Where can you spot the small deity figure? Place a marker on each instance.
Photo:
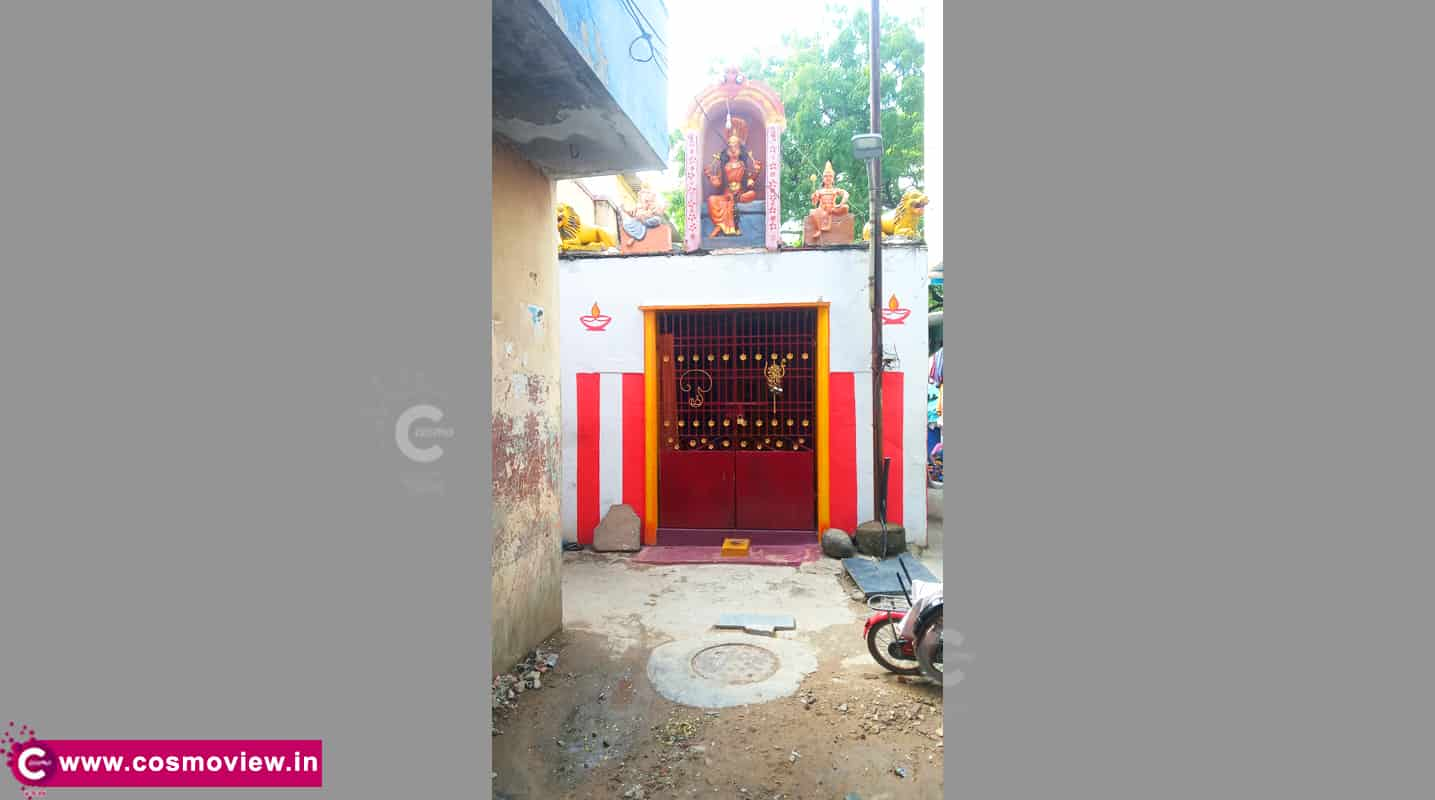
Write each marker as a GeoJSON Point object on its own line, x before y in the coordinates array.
{"type": "Point", "coordinates": [826, 204]}
{"type": "Point", "coordinates": [647, 213]}
{"type": "Point", "coordinates": [734, 173]}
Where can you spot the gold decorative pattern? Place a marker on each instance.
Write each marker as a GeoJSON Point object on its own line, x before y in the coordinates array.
{"type": "Point", "coordinates": [696, 392]}
{"type": "Point", "coordinates": [774, 373]}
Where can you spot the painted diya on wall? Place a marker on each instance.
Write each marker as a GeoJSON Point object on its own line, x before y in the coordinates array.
{"type": "Point", "coordinates": [595, 320]}
{"type": "Point", "coordinates": [894, 314]}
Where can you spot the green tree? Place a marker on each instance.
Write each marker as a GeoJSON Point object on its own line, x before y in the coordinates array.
{"type": "Point", "coordinates": [825, 84]}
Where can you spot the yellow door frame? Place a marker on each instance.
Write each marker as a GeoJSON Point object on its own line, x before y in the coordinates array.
{"type": "Point", "coordinates": [650, 408]}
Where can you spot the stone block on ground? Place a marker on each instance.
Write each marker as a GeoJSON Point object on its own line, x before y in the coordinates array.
{"type": "Point", "coordinates": [619, 532]}
{"type": "Point", "coordinates": [758, 623]}
{"type": "Point", "coordinates": [837, 544]}
{"type": "Point", "coordinates": [869, 538]}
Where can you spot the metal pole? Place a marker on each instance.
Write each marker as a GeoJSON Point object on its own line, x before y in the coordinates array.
{"type": "Point", "coordinates": [874, 174]}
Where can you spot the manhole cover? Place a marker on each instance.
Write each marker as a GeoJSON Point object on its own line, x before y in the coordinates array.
{"type": "Point", "coordinates": [735, 663]}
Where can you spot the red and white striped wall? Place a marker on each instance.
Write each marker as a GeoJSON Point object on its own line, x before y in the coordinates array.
{"type": "Point", "coordinates": [609, 461]}
{"type": "Point", "coordinates": [606, 463]}
{"type": "Point", "coordinates": [852, 480]}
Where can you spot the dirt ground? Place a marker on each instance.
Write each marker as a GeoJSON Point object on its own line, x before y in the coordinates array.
{"type": "Point", "coordinates": [598, 729]}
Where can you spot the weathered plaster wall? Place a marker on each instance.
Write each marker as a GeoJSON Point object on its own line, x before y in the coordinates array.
{"type": "Point", "coordinates": [620, 285]}
{"type": "Point", "coordinates": [527, 589]}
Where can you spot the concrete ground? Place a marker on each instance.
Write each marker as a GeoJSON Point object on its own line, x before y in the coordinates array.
{"type": "Point", "coordinates": [837, 723]}
{"type": "Point", "coordinates": [931, 555]}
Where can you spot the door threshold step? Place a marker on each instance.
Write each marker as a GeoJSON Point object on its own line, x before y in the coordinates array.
{"type": "Point", "coordinates": [714, 537]}
{"type": "Point", "coordinates": [775, 555]}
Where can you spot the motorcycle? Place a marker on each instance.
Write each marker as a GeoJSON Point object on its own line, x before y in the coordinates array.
{"type": "Point", "coordinates": [907, 639]}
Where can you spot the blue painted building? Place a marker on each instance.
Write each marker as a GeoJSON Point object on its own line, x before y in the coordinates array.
{"type": "Point", "coordinates": [580, 86]}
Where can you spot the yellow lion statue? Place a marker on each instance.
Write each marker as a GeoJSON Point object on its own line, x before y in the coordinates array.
{"type": "Point", "coordinates": [901, 221]}
{"type": "Point", "coordinates": [574, 235]}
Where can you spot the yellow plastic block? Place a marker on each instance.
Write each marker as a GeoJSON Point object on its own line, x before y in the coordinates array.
{"type": "Point", "coordinates": [735, 548]}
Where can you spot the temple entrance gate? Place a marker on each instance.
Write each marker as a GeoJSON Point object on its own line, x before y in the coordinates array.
{"type": "Point", "coordinates": [737, 422]}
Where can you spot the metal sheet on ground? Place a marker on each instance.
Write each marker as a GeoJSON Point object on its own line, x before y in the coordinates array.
{"type": "Point", "coordinates": [880, 577]}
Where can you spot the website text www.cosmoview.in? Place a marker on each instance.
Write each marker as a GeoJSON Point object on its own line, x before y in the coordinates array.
{"type": "Point", "coordinates": [166, 763]}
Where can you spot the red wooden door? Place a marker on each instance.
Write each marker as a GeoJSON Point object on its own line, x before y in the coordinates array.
{"type": "Point", "coordinates": [737, 393]}
{"type": "Point", "coordinates": [776, 491]}
{"type": "Point", "coordinates": [695, 489]}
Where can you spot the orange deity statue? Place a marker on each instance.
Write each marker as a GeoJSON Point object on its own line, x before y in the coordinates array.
{"type": "Point", "coordinates": [830, 221]}
{"type": "Point", "coordinates": [733, 173]}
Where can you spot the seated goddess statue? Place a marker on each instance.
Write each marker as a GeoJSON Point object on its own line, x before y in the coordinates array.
{"type": "Point", "coordinates": [733, 173]}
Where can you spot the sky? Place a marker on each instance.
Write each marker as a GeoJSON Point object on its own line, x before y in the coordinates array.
{"type": "Point", "coordinates": [692, 45]}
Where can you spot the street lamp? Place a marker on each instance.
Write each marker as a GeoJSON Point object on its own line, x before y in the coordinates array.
{"type": "Point", "coordinates": [868, 147]}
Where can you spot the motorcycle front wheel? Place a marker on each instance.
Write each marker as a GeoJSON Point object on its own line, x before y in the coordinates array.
{"type": "Point", "coordinates": [882, 636]}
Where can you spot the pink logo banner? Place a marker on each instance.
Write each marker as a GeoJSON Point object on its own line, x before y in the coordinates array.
{"type": "Point", "coordinates": [163, 763]}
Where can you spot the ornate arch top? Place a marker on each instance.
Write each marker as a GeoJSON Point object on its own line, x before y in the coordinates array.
{"type": "Point", "coordinates": [736, 86]}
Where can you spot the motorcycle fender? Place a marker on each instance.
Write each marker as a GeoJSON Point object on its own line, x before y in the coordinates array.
{"type": "Point", "coordinates": [879, 618]}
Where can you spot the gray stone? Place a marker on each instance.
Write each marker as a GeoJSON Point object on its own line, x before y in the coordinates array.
{"type": "Point", "coordinates": [869, 538]}
{"type": "Point", "coordinates": [757, 623]}
{"type": "Point", "coordinates": [837, 544]}
{"type": "Point", "coordinates": [619, 532]}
